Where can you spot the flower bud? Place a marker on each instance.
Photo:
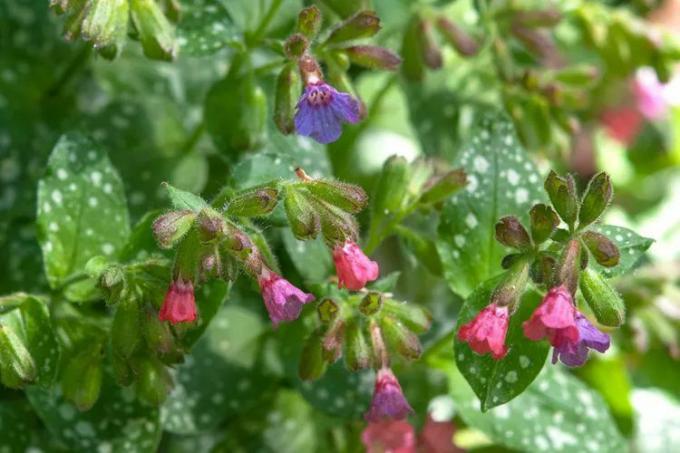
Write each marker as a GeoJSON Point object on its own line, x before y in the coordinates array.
{"type": "Point", "coordinates": [327, 310]}
{"type": "Point", "coordinates": [537, 42]}
{"type": "Point", "coordinates": [562, 193]}
{"type": "Point", "coordinates": [596, 199]}
{"type": "Point", "coordinates": [363, 24]}
{"type": "Point", "coordinates": [457, 37]}
{"type": "Point", "coordinates": [348, 197]}
{"type": "Point", "coordinates": [211, 224]}
{"type": "Point", "coordinates": [157, 334]}
{"type": "Point", "coordinates": [511, 233]}
{"type": "Point", "coordinates": [439, 188]}
{"type": "Point", "coordinates": [373, 57]}
{"type": "Point", "coordinates": [169, 228]}
{"type": "Point", "coordinates": [431, 54]}
{"type": "Point", "coordinates": [412, 65]}
{"type": "Point", "coordinates": [337, 226]}
{"type": "Point", "coordinates": [543, 222]}
{"type": "Point", "coordinates": [605, 302]}
{"type": "Point", "coordinates": [153, 380]}
{"type": "Point", "coordinates": [415, 318]}
{"type": "Point", "coordinates": [155, 32]}
{"type": "Point", "coordinates": [538, 18]}
{"type": "Point", "coordinates": [578, 75]}
{"type": "Point", "coordinates": [284, 101]}
{"type": "Point", "coordinates": [371, 303]}
{"type": "Point", "coordinates": [309, 21]}
{"type": "Point", "coordinates": [172, 10]}
{"type": "Point", "coordinates": [17, 367]}
{"type": "Point", "coordinates": [312, 364]}
{"type": "Point", "coordinates": [303, 219]}
{"type": "Point", "coordinates": [332, 341]}
{"type": "Point", "coordinates": [512, 286]}
{"type": "Point", "coordinates": [122, 371]}
{"type": "Point", "coordinates": [604, 250]}
{"type": "Point", "coordinates": [76, 14]}
{"type": "Point", "coordinates": [105, 24]}
{"type": "Point", "coordinates": [400, 338]}
{"type": "Point", "coordinates": [256, 202]}
{"type": "Point", "coordinates": [295, 46]}
{"type": "Point", "coordinates": [357, 350]}
{"type": "Point", "coordinates": [126, 327]}
{"type": "Point", "coordinates": [81, 380]}
{"type": "Point", "coordinates": [543, 268]}
{"type": "Point", "coordinates": [392, 186]}
{"type": "Point", "coordinates": [112, 281]}
{"type": "Point", "coordinates": [569, 266]}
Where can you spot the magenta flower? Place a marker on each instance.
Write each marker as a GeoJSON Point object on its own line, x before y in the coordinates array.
{"type": "Point", "coordinates": [555, 319]}
{"type": "Point", "coordinates": [394, 436]}
{"type": "Point", "coordinates": [575, 354]}
{"type": "Point", "coordinates": [321, 111]}
{"type": "Point", "coordinates": [179, 304]}
{"type": "Point", "coordinates": [353, 267]}
{"type": "Point", "coordinates": [283, 300]}
{"type": "Point", "coordinates": [650, 94]}
{"type": "Point", "coordinates": [388, 399]}
{"type": "Point", "coordinates": [486, 332]}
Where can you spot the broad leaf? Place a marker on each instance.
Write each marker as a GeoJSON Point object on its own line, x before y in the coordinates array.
{"type": "Point", "coordinates": [631, 248]}
{"type": "Point", "coordinates": [496, 382]}
{"type": "Point", "coordinates": [222, 377]}
{"type": "Point", "coordinates": [30, 320]}
{"type": "Point", "coordinates": [556, 413]}
{"type": "Point", "coordinates": [205, 27]}
{"type": "Point", "coordinates": [312, 259]}
{"type": "Point", "coordinates": [82, 212]}
{"type": "Point", "coordinates": [16, 421]}
{"type": "Point", "coordinates": [182, 199]}
{"type": "Point", "coordinates": [502, 180]}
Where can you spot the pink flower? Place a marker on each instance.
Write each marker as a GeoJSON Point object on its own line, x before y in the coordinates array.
{"type": "Point", "coordinates": [486, 332]}
{"type": "Point", "coordinates": [555, 319]}
{"type": "Point", "coordinates": [622, 124]}
{"type": "Point", "coordinates": [389, 436]}
{"type": "Point", "coordinates": [179, 304]}
{"type": "Point", "coordinates": [354, 268]}
{"type": "Point", "coordinates": [388, 399]}
{"type": "Point", "coordinates": [283, 300]}
{"type": "Point", "coordinates": [437, 437]}
{"type": "Point", "coordinates": [650, 94]}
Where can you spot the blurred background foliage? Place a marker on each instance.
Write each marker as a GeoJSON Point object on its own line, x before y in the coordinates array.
{"type": "Point", "coordinates": [571, 76]}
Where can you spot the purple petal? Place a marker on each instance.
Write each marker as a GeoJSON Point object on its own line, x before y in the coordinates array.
{"type": "Point", "coordinates": [345, 107]}
{"type": "Point", "coordinates": [591, 336]}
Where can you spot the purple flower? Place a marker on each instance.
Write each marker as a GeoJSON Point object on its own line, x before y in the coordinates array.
{"type": "Point", "coordinates": [388, 399]}
{"type": "Point", "coordinates": [322, 109]}
{"type": "Point", "coordinates": [575, 354]}
{"type": "Point", "coordinates": [283, 300]}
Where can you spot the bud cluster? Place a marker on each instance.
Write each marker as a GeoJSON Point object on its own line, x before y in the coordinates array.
{"type": "Point", "coordinates": [106, 23]}
{"type": "Point", "coordinates": [561, 267]}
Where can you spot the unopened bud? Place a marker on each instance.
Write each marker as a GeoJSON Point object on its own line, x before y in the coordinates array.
{"type": "Point", "coordinates": [577, 75]}
{"type": "Point", "coordinates": [210, 223]}
{"type": "Point", "coordinates": [310, 71]}
{"type": "Point", "coordinates": [431, 54]}
{"type": "Point", "coordinates": [332, 341]}
{"type": "Point", "coordinates": [337, 226]}
{"type": "Point", "coordinates": [512, 285]}
{"type": "Point", "coordinates": [348, 197]}
{"type": "Point", "coordinates": [400, 338]}
{"type": "Point", "coordinates": [605, 302]}
{"type": "Point", "coordinates": [81, 381]}
{"type": "Point", "coordinates": [157, 334]}
{"type": "Point", "coordinates": [112, 281]}
{"type": "Point", "coordinates": [412, 66]}
{"type": "Point", "coordinates": [155, 31]}
{"type": "Point", "coordinates": [357, 349]}
{"type": "Point", "coordinates": [459, 39]}
{"type": "Point", "coordinates": [327, 310]}
{"type": "Point", "coordinates": [153, 380]}
{"type": "Point", "coordinates": [105, 24]}
{"type": "Point", "coordinates": [255, 202]}
{"type": "Point", "coordinates": [169, 228]}
{"type": "Point", "coordinates": [373, 57]}
{"type": "Point", "coordinates": [122, 371]}
{"type": "Point", "coordinates": [295, 46]}
{"type": "Point", "coordinates": [303, 220]}
{"type": "Point", "coordinates": [309, 21]}
{"type": "Point", "coordinates": [312, 364]}
{"type": "Point", "coordinates": [537, 42]}
{"type": "Point", "coordinates": [511, 233]}
{"type": "Point", "coordinates": [538, 18]}
{"type": "Point", "coordinates": [363, 24]}
{"type": "Point", "coordinates": [440, 187]}
{"type": "Point", "coordinates": [569, 266]}
{"type": "Point", "coordinates": [544, 221]}
{"type": "Point", "coordinates": [417, 319]}
{"type": "Point", "coordinates": [172, 10]}
{"type": "Point", "coordinates": [543, 268]}
{"type": "Point", "coordinates": [126, 327]}
{"type": "Point", "coordinates": [284, 101]}
{"type": "Point", "coordinates": [562, 193]}
{"type": "Point", "coordinates": [371, 303]}
{"type": "Point", "coordinates": [602, 248]}
{"type": "Point", "coordinates": [597, 197]}
{"type": "Point", "coordinates": [17, 367]}
{"type": "Point", "coordinates": [392, 186]}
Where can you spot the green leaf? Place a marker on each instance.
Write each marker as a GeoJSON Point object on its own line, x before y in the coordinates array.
{"type": "Point", "coordinates": [312, 259]}
{"type": "Point", "coordinates": [657, 420]}
{"type": "Point", "coordinates": [502, 180]}
{"type": "Point", "coordinates": [182, 199]}
{"type": "Point", "coordinates": [209, 298]}
{"type": "Point", "coordinates": [222, 377]}
{"type": "Point", "coordinates": [141, 242]}
{"type": "Point", "coordinates": [205, 28]}
{"type": "Point", "coordinates": [31, 321]}
{"type": "Point", "coordinates": [117, 422]}
{"type": "Point", "coordinates": [496, 382]}
{"type": "Point", "coordinates": [556, 413]}
{"type": "Point", "coordinates": [16, 421]}
{"type": "Point", "coordinates": [631, 248]}
{"type": "Point", "coordinates": [82, 212]}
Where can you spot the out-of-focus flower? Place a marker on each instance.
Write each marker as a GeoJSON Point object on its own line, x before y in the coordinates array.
{"type": "Point", "coordinates": [650, 94]}
{"type": "Point", "coordinates": [389, 436]}
{"type": "Point", "coordinates": [353, 267]}
{"type": "Point", "coordinates": [486, 332]}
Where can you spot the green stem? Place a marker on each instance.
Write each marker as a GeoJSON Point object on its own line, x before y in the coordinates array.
{"type": "Point", "coordinates": [256, 37]}
{"type": "Point", "coordinates": [195, 136]}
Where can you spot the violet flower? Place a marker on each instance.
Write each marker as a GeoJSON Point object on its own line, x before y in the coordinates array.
{"type": "Point", "coordinates": [575, 354]}
{"type": "Point", "coordinates": [388, 399]}
{"type": "Point", "coordinates": [321, 111]}
{"type": "Point", "coordinates": [283, 300]}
